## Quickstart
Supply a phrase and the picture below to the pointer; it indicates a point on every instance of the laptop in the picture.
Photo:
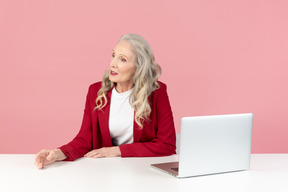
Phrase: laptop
(211, 145)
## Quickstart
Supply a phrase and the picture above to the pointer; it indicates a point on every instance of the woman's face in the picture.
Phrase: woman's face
(122, 67)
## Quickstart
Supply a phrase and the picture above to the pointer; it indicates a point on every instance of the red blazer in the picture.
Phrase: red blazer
(156, 138)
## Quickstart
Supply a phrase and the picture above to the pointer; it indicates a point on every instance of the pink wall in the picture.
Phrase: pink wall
(218, 57)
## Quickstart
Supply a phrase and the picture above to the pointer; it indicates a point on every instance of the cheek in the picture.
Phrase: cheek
(128, 74)
(132, 72)
(128, 71)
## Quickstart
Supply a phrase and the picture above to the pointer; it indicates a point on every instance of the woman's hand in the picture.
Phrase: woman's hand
(46, 157)
(104, 152)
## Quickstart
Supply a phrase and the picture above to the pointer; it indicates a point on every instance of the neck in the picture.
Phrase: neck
(121, 88)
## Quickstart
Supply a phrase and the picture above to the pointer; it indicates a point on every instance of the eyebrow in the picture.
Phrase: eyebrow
(121, 54)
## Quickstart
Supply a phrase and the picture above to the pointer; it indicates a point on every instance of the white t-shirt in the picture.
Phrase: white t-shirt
(121, 118)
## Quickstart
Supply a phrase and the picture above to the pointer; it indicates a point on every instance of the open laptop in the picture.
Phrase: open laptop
(211, 145)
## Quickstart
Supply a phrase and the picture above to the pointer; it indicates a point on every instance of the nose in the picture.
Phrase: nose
(113, 62)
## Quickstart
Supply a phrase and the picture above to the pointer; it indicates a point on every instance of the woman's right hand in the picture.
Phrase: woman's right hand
(46, 157)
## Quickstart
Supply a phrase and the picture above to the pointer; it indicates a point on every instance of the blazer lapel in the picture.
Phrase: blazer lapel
(103, 116)
(137, 131)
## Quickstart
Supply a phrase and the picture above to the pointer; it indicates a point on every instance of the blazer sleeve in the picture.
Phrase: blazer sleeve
(164, 142)
(82, 143)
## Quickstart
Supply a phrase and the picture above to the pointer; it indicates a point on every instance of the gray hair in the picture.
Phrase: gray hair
(145, 78)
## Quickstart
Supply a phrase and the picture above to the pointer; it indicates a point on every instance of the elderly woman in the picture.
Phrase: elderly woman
(128, 114)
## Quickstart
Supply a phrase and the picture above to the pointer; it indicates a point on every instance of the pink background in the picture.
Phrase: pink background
(218, 57)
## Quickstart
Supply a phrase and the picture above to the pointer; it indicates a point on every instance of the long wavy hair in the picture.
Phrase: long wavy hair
(144, 80)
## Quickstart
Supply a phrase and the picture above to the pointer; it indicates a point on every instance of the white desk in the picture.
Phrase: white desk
(269, 172)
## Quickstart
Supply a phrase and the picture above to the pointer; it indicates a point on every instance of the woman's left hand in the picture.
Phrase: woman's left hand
(104, 152)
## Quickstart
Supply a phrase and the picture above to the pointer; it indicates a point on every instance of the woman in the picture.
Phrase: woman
(127, 115)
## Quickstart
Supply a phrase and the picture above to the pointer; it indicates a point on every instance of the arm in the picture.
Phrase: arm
(164, 142)
(82, 143)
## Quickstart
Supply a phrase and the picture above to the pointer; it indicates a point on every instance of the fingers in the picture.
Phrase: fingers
(51, 156)
(40, 154)
(97, 153)
(40, 158)
(104, 152)
(91, 153)
(44, 157)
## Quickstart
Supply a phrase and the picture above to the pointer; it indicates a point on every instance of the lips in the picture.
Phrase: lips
(113, 73)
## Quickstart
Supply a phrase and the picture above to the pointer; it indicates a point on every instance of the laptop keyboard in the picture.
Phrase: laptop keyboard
(175, 169)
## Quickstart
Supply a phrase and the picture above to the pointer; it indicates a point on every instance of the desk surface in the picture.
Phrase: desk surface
(268, 172)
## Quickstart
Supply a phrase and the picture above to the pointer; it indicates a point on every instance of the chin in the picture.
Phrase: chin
(112, 79)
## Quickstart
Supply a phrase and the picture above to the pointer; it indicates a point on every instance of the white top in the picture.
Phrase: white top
(121, 118)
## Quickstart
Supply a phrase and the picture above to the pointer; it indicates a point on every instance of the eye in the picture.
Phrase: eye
(113, 54)
(123, 60)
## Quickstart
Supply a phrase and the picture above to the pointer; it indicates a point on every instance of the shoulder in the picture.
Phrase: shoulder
(96, 85)
(161, 84)
(162, 90)
(94, 88)
(162, 87)
(159, 97)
